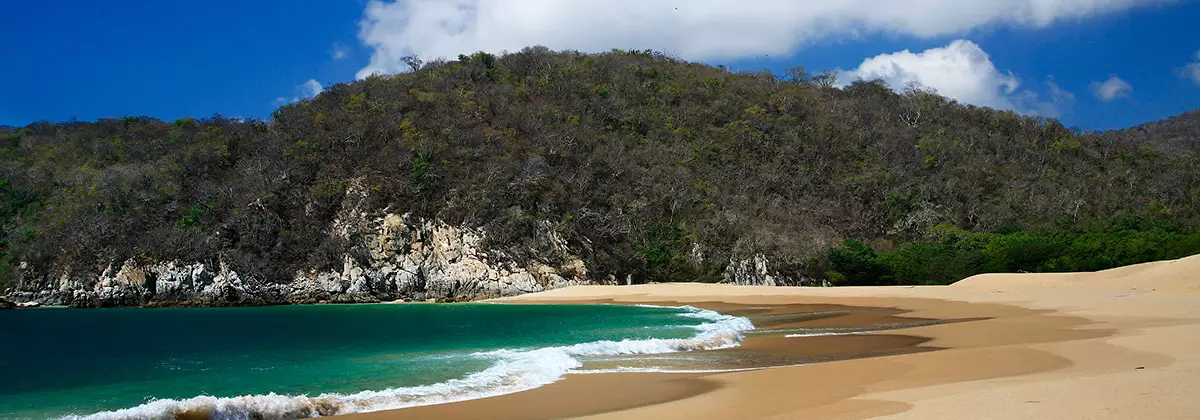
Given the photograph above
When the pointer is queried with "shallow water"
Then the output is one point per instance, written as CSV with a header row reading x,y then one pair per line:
x,y
304,361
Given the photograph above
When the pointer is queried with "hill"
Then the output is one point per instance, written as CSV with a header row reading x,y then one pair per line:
x,y
497,175
1181,130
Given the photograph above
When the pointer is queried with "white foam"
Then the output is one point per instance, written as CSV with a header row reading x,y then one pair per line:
x,y
659,369
512,371
825,334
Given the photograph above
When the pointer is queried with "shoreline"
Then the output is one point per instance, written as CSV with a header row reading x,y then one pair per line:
x,y
1113,344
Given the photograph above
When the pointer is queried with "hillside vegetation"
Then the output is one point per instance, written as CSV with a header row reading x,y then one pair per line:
x,y
650,167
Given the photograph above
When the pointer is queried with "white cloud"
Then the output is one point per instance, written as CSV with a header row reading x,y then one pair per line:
x,y
1112,89
306,90
1192,70
1061,101
694,29
961,71
1057,94
311,89
339,51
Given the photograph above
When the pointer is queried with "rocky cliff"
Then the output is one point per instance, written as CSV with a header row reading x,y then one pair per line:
x,y
408,259
390,257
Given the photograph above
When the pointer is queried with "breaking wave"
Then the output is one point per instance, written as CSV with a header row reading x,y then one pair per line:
x,y
512,370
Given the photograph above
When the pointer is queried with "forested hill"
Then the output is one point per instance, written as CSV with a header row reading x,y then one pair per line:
x,y
646,166
1183,129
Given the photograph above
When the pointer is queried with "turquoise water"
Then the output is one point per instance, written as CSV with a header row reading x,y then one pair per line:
x,y
306,361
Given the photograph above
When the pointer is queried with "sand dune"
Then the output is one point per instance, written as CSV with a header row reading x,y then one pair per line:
x,y
1115,344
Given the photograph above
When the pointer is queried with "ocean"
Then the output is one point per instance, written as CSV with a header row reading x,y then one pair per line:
x,y
311,361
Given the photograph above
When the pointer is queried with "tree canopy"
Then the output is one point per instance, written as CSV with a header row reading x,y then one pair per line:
x,y
649,166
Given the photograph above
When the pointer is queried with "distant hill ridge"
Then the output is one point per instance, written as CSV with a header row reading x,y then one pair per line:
x,y
1180,129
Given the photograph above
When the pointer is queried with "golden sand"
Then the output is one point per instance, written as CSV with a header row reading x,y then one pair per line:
x,y
1116,344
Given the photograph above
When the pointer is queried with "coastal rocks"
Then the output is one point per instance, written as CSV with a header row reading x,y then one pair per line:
x,y
4,304
388,257
405,258
139,284
759,271
751,272
421,259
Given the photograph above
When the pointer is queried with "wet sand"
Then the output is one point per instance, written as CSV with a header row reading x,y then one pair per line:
x,y
1117,344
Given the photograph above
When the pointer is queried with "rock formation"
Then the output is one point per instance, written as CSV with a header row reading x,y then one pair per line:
x,y
758,271
410,259
405,258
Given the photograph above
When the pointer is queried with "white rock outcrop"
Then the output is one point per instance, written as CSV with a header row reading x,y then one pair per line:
x,y
408,258
758,271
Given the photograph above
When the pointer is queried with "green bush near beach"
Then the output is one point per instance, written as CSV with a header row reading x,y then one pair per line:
x,y
950,254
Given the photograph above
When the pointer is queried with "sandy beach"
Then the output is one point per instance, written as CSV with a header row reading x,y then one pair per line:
x,y
1116,344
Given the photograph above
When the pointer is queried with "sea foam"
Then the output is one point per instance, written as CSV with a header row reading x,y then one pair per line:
x,y
826,334
512,370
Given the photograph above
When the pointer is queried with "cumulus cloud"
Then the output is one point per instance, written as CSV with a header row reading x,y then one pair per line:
x,y
339,51
1112,89
1192,70
306,90
961,71
695,29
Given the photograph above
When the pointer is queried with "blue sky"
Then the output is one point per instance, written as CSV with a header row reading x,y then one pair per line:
x,y
167,60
